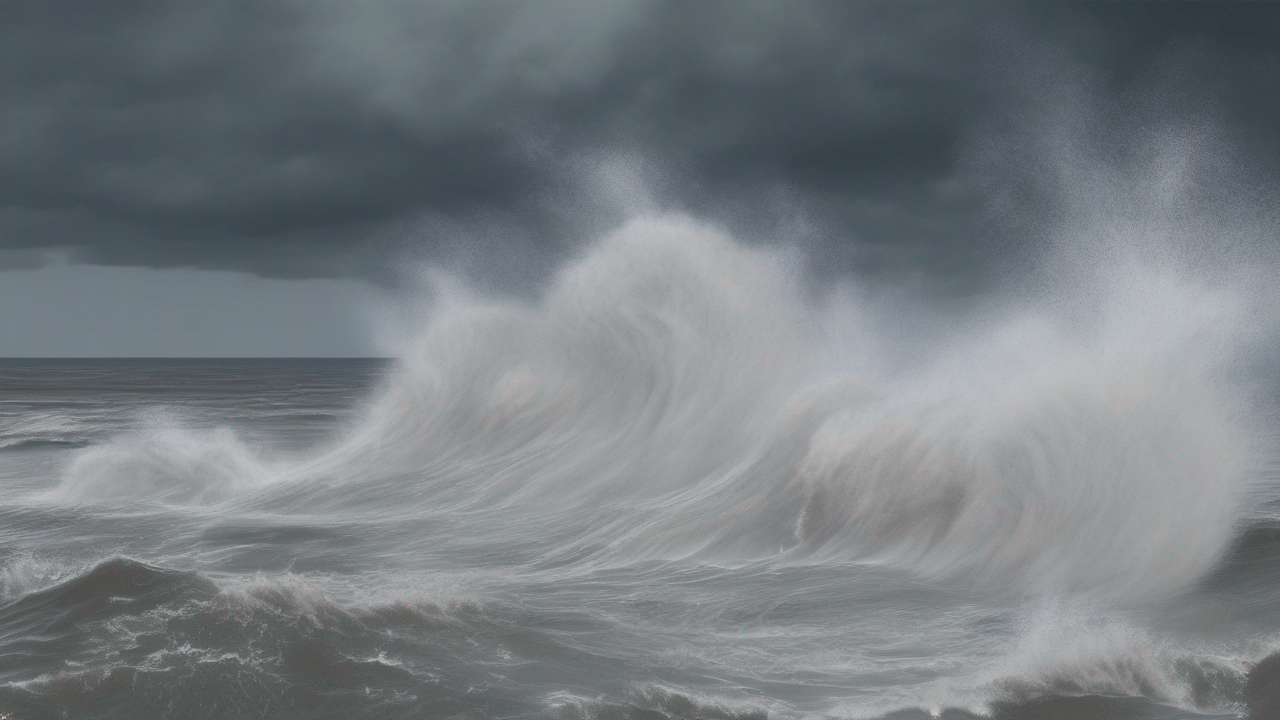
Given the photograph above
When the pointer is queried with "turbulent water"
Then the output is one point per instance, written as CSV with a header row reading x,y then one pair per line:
x,y
683,484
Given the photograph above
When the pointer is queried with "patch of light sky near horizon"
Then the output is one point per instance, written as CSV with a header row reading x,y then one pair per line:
x,y
96,311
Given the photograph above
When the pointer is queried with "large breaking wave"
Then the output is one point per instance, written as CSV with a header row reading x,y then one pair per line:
x,y
1096,442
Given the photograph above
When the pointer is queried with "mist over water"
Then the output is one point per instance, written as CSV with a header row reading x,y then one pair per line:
x,y
691,481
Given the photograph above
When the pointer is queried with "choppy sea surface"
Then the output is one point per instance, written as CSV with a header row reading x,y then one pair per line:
x,y
643,497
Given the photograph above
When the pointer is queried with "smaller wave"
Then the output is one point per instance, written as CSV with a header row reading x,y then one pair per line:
x,y
36,443
106,584
32,430
42,633
173,466
123,638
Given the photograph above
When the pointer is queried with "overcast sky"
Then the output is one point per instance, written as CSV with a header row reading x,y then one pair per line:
x,y
267,178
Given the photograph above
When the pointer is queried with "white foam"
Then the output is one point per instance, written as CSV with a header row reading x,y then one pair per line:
x,y
170,465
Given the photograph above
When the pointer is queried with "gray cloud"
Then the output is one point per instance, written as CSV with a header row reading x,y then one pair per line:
x,y
311,139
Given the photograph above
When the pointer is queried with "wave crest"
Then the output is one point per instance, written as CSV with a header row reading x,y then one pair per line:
x,y
1124,476
170,465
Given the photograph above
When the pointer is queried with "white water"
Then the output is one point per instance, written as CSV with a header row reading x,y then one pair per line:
x,y
1098,444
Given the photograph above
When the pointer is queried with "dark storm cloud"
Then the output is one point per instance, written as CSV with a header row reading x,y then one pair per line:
x,y
1131,90
299,138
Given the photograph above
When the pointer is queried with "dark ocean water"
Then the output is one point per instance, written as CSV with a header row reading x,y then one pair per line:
x,y
577,512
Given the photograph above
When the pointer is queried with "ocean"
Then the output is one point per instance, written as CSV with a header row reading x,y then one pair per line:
x,y
679,484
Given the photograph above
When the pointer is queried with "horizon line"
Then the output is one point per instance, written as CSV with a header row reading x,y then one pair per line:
x,y
197,357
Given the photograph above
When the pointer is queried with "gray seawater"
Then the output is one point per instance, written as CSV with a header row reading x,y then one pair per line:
x,y
569,512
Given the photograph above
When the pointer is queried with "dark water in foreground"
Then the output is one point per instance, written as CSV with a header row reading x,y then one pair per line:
x,y
314,599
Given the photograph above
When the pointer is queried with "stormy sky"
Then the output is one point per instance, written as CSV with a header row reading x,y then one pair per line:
x,y
267,177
